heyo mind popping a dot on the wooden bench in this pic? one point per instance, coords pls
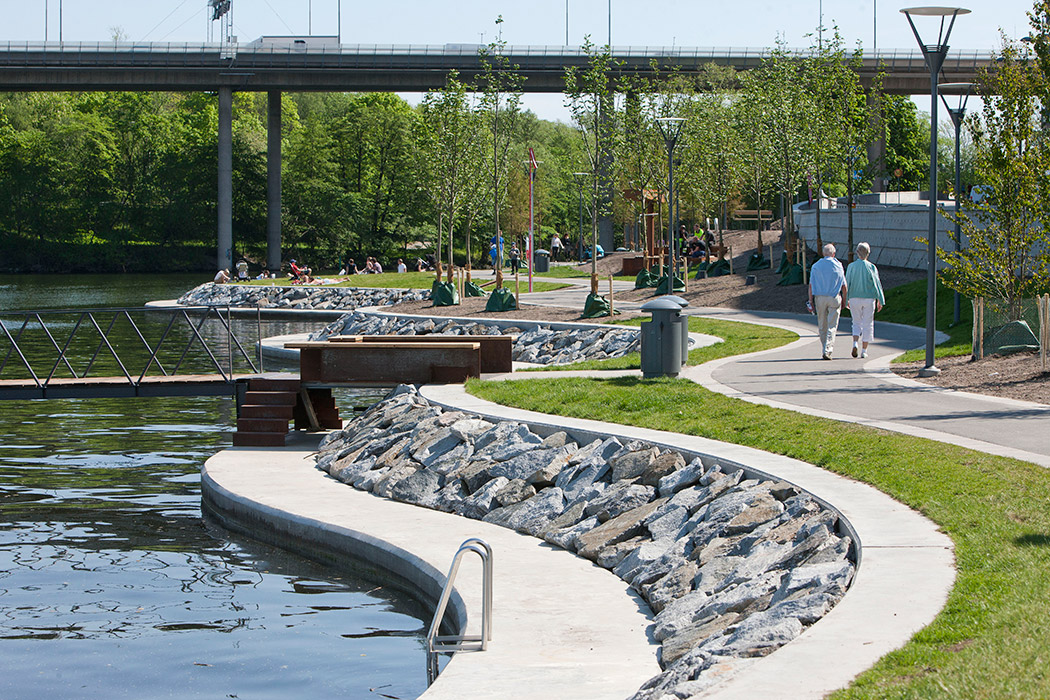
(752, 215)
(387, 363)
(496, 350)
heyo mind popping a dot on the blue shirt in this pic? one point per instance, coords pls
(826, 278)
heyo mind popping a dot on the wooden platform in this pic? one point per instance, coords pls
(324, 363)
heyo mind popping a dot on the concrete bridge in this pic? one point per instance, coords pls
(277, 64)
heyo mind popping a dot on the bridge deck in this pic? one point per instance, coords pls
(119, 387)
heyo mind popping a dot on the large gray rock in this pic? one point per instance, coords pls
(536, 513)
(483, 500)
(661, 467)
(525, 464)
(632, 464)
(618, 529)
(673, 585)
(568, 537)
(515, 491)
(678, 645)
(421, 488)
(619, 498)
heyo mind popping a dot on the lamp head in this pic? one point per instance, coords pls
(670, 128)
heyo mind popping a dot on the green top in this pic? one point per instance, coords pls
(862, 281)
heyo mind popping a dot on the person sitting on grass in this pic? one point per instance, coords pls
(222, 276)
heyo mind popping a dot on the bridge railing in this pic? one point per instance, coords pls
(45, 346)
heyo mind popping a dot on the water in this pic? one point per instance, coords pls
(112, 585)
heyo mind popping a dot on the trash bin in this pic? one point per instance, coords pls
(684, 330)
(661, 339)
(543, 260)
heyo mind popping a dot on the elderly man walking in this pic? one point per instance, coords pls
(827, 295)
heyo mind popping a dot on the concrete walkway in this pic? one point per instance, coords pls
(562, 626)
(855, 390)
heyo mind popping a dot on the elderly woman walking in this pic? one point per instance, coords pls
(865, 298)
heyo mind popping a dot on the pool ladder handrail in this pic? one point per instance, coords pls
(462, 642)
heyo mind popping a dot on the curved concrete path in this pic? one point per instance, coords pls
(866, 391)
(855, 390)
(562, 626)
(902, 583)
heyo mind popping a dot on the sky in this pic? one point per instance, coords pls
(707, 23)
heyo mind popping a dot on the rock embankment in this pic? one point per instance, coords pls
(537, 343)
(733, 567)
(313, 298)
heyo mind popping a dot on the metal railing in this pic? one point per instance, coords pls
(93, 336)
(436, 643)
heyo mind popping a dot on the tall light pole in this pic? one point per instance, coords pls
(670, 129)
(934, 55)
(581, 180)
(958, 112)
(566, 22)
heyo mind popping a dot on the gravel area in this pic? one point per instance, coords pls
(475, 308)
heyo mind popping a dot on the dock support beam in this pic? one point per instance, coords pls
(225, 194)
(273, 180)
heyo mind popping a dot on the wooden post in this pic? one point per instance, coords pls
(730, 259)
(517, 290)
(610, 295)
(770, 256)
(685, 278)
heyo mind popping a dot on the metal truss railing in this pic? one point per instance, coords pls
(110, 332)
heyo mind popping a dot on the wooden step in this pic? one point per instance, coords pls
(259, 439)
(272, 384)
(267, 411)
(262, 425)
(270, 398)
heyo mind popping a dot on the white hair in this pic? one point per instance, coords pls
(863, 250)
(829, 250)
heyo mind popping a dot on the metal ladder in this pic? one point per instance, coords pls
(436, 643)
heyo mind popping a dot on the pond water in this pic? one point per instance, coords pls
(112, 584)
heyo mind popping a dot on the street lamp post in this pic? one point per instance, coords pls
(581, 179)
(670, 129)
(934, 55)
(958, 112)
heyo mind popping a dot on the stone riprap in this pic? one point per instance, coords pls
(536, 343)
(733, 567)
(313, 298)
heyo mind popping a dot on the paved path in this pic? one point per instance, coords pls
(856, 390)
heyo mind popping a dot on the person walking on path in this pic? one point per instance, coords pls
(555, 247)
(865, 297)
(827, 296)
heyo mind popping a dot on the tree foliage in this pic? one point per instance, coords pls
(1007, 251)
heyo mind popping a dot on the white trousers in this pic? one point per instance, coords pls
(863, 312)
(828, 310)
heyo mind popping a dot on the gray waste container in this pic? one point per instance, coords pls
(543, 260)
(661, 339)
(685, 325)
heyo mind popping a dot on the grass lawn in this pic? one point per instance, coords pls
(737, 339)
(907, 304)
(991, 640)
(409, 280)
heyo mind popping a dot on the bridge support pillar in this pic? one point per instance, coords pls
(225, 193)
(273, 180)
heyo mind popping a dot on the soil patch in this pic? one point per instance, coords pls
(1016, 376)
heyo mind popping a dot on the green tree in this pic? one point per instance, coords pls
(501, 86)
(1007, 250)
(590, 95)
